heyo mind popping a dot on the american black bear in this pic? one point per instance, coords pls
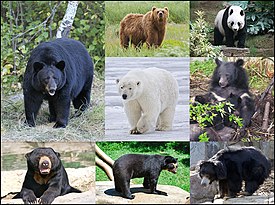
(230, 79)
(231, 166)
(58, 71)
(46, 178)
(131, 166)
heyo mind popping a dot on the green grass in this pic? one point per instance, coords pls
(176, 41)
(180, 151)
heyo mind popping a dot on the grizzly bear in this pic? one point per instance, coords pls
(139, 28)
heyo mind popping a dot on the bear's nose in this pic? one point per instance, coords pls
(45, 164)
(235, 29)
(124, 96)
(160, 14)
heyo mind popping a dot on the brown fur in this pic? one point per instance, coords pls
(140, 28)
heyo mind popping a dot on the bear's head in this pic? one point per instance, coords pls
(43, 160)
(128, 88)
(229, 74)
(236, 18)
(160, 14)
(210, 171)
(49, 78)
(170, 164)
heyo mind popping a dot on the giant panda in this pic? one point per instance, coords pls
(231, 24)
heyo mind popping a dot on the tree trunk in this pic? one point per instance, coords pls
(67, 21)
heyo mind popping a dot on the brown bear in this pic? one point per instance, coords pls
(140, 28)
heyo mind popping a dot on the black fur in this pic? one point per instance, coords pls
(229, 34)
(131, 166)
(229, 80)
(63, 66)
(45, 186)
(232, 166)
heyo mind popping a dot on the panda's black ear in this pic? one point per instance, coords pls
(218, 61)
(240, 62)
(242, 12)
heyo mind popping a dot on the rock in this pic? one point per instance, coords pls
(81, 178)
(200, 194)
(106, 194)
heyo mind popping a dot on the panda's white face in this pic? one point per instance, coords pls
(236, 18)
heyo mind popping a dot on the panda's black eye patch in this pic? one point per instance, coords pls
(242, 12)
(231, 12)
(232, 23)
(239, 24)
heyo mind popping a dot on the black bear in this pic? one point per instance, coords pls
(131, 166)
(230, 79)
(231, 166)
(46, 178)
(231, 24)
(58, 71)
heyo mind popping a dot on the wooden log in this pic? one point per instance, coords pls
(105, 167)
(103, 156)
(266, 114)
(235, 52)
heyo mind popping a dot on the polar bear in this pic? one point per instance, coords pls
(149, 98)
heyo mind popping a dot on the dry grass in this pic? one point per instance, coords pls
(87, 127)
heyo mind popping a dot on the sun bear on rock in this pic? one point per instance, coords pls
(58, 71)
(139, 28)
(149, 97)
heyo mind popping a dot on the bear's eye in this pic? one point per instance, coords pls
(121, 87)
(130, 88)
(157, 12)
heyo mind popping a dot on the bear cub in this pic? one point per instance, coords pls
(59, 71)
(131, 166)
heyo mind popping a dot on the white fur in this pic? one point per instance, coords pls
(151, 101)
(245, 95)
(218, 98)
(235, 17)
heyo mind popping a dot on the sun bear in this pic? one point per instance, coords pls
(149, 98)
(46, 178)
(139, 28)
(230, 78)
(131, 166)
(231, 166)
(57, 71)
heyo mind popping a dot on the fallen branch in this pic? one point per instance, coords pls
(103, 156)
(266, 116)
(105, 167)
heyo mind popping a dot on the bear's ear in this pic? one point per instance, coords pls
(218, 61)
(58, 154)
(60, 65)
(117, 81)
(166, 8)
(37, 66)
(27, 156)
(154, 8)
(138, 83)
(240, 62)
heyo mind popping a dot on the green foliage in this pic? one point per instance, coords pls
(206, 66)
(199, 44)
(259, 16)
(180, 150)
(26, 24)
(205, 113)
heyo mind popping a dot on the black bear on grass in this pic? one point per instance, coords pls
(58, 71)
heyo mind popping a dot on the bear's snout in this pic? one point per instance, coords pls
(45, 165)
(124, 96)
(160, 14)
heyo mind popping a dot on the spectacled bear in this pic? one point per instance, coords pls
(231, 166)
(46, 178)
(231, 24)
(131, 166)
(230, 78)
(58, 71)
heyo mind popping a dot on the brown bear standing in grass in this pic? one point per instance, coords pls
(140, 28)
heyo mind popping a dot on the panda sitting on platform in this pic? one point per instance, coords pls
(231, 24)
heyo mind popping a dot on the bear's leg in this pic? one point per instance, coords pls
(153, 186)
(125, 189)
(218, 37)
(160, 37)
(234, 186)
(152, 39)
(251, 187)
(52, 117)
(117, 186)
(229, 38)
(166, 118)
(28, 196)
(62, 109)
(223, 188)
(32, 104)
(133, 113)
(146, 183)
(146, 123)
(82, 101)
(124, 40)
(241, 42)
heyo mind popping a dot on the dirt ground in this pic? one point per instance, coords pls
(254, 132)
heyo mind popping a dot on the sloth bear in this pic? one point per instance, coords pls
(229, 80)
(131, 166)
(46, 178)
(231, 166)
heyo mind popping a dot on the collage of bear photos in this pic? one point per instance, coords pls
(137, 102)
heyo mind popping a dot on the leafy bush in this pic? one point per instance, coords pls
(24, 24)
(259, 15)
(199, 44)
(205, 113)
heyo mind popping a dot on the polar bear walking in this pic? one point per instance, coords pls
(149, 98)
